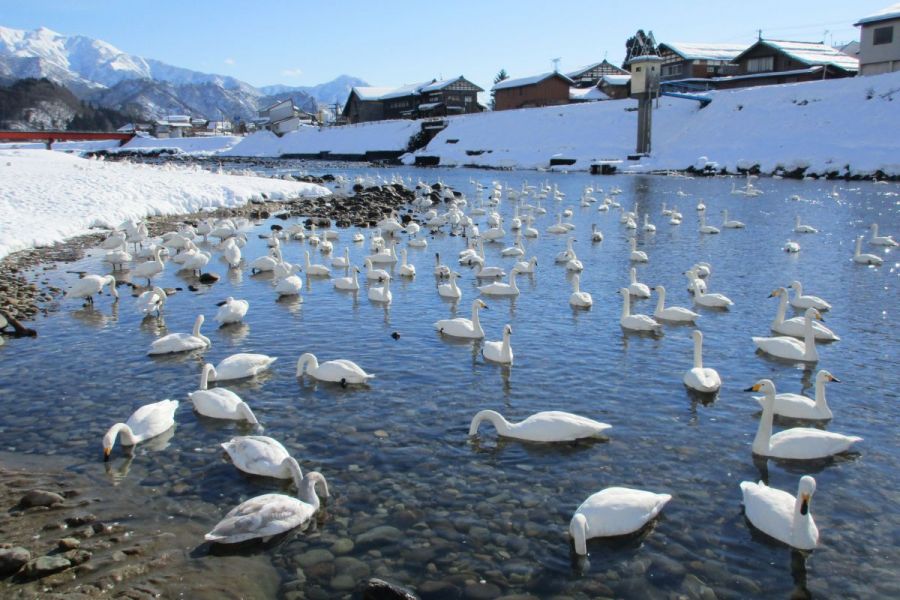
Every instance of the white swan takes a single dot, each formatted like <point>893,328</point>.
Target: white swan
<point>596,234</point>
<point>637,255</point>
<point>675,314</point>
<point>567,254</point>
<point>289,286</point>
<point>637,289</point>
<point>381,294</point>
<point>526,267</point>
<point>440,270</point>
<point>798,443</point>
<point>612,512</point>
<point>240,365</point>
<point>406,269</point>
<point>797,406</point>
<point>342,262</point>
<point>350,283</point>
<point>387,256</point>
<point>316,270</point>
<point>336,371</point>
<point>89,285</point>
<point>231,311</point>
<point>781,516</point>
<point>704,228</point>
<point>150,268</point>
<point>635,322</point>
<point>450,290</point>
<point>118,256</point>
<point>790,348</point>
<point>482,272</point>
<point>517,249</point>
<point>232,253</point>
<point>499,352</point>
<point>648,226</point>
<point>880,240</point>
<point>146,422</point>
<point>151,301</point>
<point>269,515</point>
<point>700,378</point>
<point>558,227</point>
<point>801,301</point>
<point>794,327</point>
<point>546,426</point>
<point>791,246</point>
<point>865,259</point>
<point>729,223</point>
<point>266,263</point>
<point>219,403</point>
<point>578,298</point>
<point>263,456</point>
<point>181,342</point>
<point>461,327</point>
<point>798,228</point>
<point>373,274</point>
<point>196,262</point>
<point>502,289</point>
<point>701,298</point>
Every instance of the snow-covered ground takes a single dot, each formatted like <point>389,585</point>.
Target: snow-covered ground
<point>47,197</point>
<point>350,139</point>
<point>82,146</point>
<point>197,146</point>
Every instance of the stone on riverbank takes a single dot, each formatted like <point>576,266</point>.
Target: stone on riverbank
<point>12,559</point>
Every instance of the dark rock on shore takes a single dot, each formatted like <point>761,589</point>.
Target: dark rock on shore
<point>13,559</point>
<point>40,498</point>
<point>379,589</point>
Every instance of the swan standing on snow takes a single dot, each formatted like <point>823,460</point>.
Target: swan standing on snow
<point>241,365</point>
<point>637,289</point>
<point>547,426</point>
<point>700,379</point>
<point>781,516</point>
<point>461,327</point>
<point>89,285</point>
<point>636,322</point>
<point>231,311</point>
<point>794,327</point>
<point>336,371</point>
<point>801,301</point>
<point>675,314</point>
<point>350,283</point>
<point>578,298</point>
<point>798,443</point>
<point>880,240</point>
<point>146,422</point>
<point>798,228</point>
<point>797,406</point>
<point>151,301</point>
<point>502,289</point>
<point>637,255</point>
<point>381,294</point>
<point>499,352</point>
<point>181,342</point>
<point>263,456</point>
<point>612,512</point>
<point>270,514</point>
<point>790,348</point>
<point>865,259</point>
<point>219,403</point>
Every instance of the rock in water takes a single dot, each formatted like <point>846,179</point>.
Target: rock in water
<point>46,565</point>
<point>208,278</point>
<point>12,559</point>
<point>40,498</point>
<point>379,589</point>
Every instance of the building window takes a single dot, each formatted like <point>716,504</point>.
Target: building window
<point>883,35</point>
<point>761,64</point>
<point>673,69</point>
<point>468,99</point>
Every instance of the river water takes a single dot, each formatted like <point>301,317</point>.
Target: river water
<point>416,501</point>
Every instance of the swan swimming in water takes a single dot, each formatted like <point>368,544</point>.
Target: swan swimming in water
<point>499,352</point>
<point>790,348</point>
<point>219,403</point>
<point>699,378</point>
<point>798,228</point>
<point>461,327</point>
<point>794,327</point>
<point>263,456</point>
<point>350,283</point>
<point>797,406</point>
<point>241,365</point>
<point>881,240</point>
<point>578,298</point>
<point>526,267</point>
<point>636,322</point>
<point>801,301</point>
<point>450,290</point>
<point>865,259</point>
<point>231,311</point>
<point>614,511</point>
<point>637,289</point>
<point>336,371</point>
<point>780,515</point>
<point>381,294</point>
<point>270,514</point>
<point>637,255</point>
<point>181,342</point>
<point>547,426</point>
<point>798,443</point>
<point>675,314</point>
<point>146,422</point>
<point>502,289</point>
<point>701,298</point>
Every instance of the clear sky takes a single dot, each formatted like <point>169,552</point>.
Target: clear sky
<point>391,43</point>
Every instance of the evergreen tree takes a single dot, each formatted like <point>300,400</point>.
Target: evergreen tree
<point>500,77</point>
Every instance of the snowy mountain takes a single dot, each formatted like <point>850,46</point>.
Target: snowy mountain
<point>97,71</point>
<point>328,93</point>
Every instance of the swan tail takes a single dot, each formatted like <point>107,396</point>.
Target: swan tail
<point>248,414</point>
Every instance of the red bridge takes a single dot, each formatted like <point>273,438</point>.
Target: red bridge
<point>49,137</point>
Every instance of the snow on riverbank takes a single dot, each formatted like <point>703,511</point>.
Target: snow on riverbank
<point>47,197</point>
<point>197,146</point>
<point>350,139</point>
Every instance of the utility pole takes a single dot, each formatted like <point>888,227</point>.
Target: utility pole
<point>555,62</point>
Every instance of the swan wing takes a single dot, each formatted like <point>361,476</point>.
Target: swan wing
<point>262,516</point>
<point>786,347</point>
<point>769,510</point>
<point>257,454</point>
<point>619,511</point>
<point>153,419</point>
<point>217,403</point>
<point>176,342</point>
<point>556,426</point>
<point>808,443</point>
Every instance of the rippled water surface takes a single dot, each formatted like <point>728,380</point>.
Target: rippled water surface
<point>416,501</point>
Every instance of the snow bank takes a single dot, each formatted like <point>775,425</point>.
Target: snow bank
<point>198,146</point>
<point>47,197</point>
<point>379,136</point>
<point>839,125</point>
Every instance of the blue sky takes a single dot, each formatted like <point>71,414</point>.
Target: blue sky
<point>395,42</point>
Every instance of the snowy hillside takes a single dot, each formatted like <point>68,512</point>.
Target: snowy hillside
<point>350,139</point>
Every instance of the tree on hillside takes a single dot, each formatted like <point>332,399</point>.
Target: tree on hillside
<point>640,44</point>
<point>500,77</point>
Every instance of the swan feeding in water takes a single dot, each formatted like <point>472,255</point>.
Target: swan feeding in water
<point>219,403</point>
<point>614,511</point>
<point>151,301</point>
<point>336,371</point>
<point>89,285</point>
<point>547,426</point>
<point>146,422</point>
<point>263,456</point>
<point>241,365</point>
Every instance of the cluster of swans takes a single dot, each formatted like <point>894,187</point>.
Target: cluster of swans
<point>612,511</point>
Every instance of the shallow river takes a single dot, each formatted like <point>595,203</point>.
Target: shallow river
<point>416,501</point>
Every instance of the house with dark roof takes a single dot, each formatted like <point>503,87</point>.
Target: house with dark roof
<point>546,89</point>
<point>432,98</point>
<point>589,75</point>
<point>879,41</point>
<point>683,60</point>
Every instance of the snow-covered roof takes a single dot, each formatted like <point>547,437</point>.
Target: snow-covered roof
<point>579,72</point>
<point>429,105</point>
<point>523,81</point>
<point>370,92</point>
<point>726,78</point>
<point>810,53</point>
<point>439,85</point>
<point>616,79</point>
<point>698,51</point>
<point>586,94</point>
<point>885,14</point>
<point>406,90</point>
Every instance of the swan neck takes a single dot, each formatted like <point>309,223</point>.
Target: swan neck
<point>858,245</point>
<point>494,418</point>
<point>578,530</point>
<point>764,432</point>
<point>307,362</point>
<point>782,309</point>
<point>197,323</point>
<point>661,300</point>
<point>576,284</point>
<point>809,340</point>
<point>296,472</point>
<point>820,393</point>
<point>626,306</point>
<point>245,411</point>
<point>698,353</point>
<point>204,376</point>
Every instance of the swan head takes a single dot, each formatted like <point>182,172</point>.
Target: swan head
<point>805,490</point>
<point>624,291</point>
<point>659,289</point>
<point>796,285</point>
<point>578,531</point>
<point>507,329</point>
<point>763,385</point>
<point>109,438</point>
<point>824,375</point>
<point>812,313</point>
<point>778,292</point>
<point>314,477</point>
<point>111,281</point>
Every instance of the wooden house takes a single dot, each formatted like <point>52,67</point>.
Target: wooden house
<point>615,86</point>
<point>879,43</point>
<point>432,98</point>
<point>546,89</point>
<point>785,62</point>
<point>590,75</point>
<point>693,60</point>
